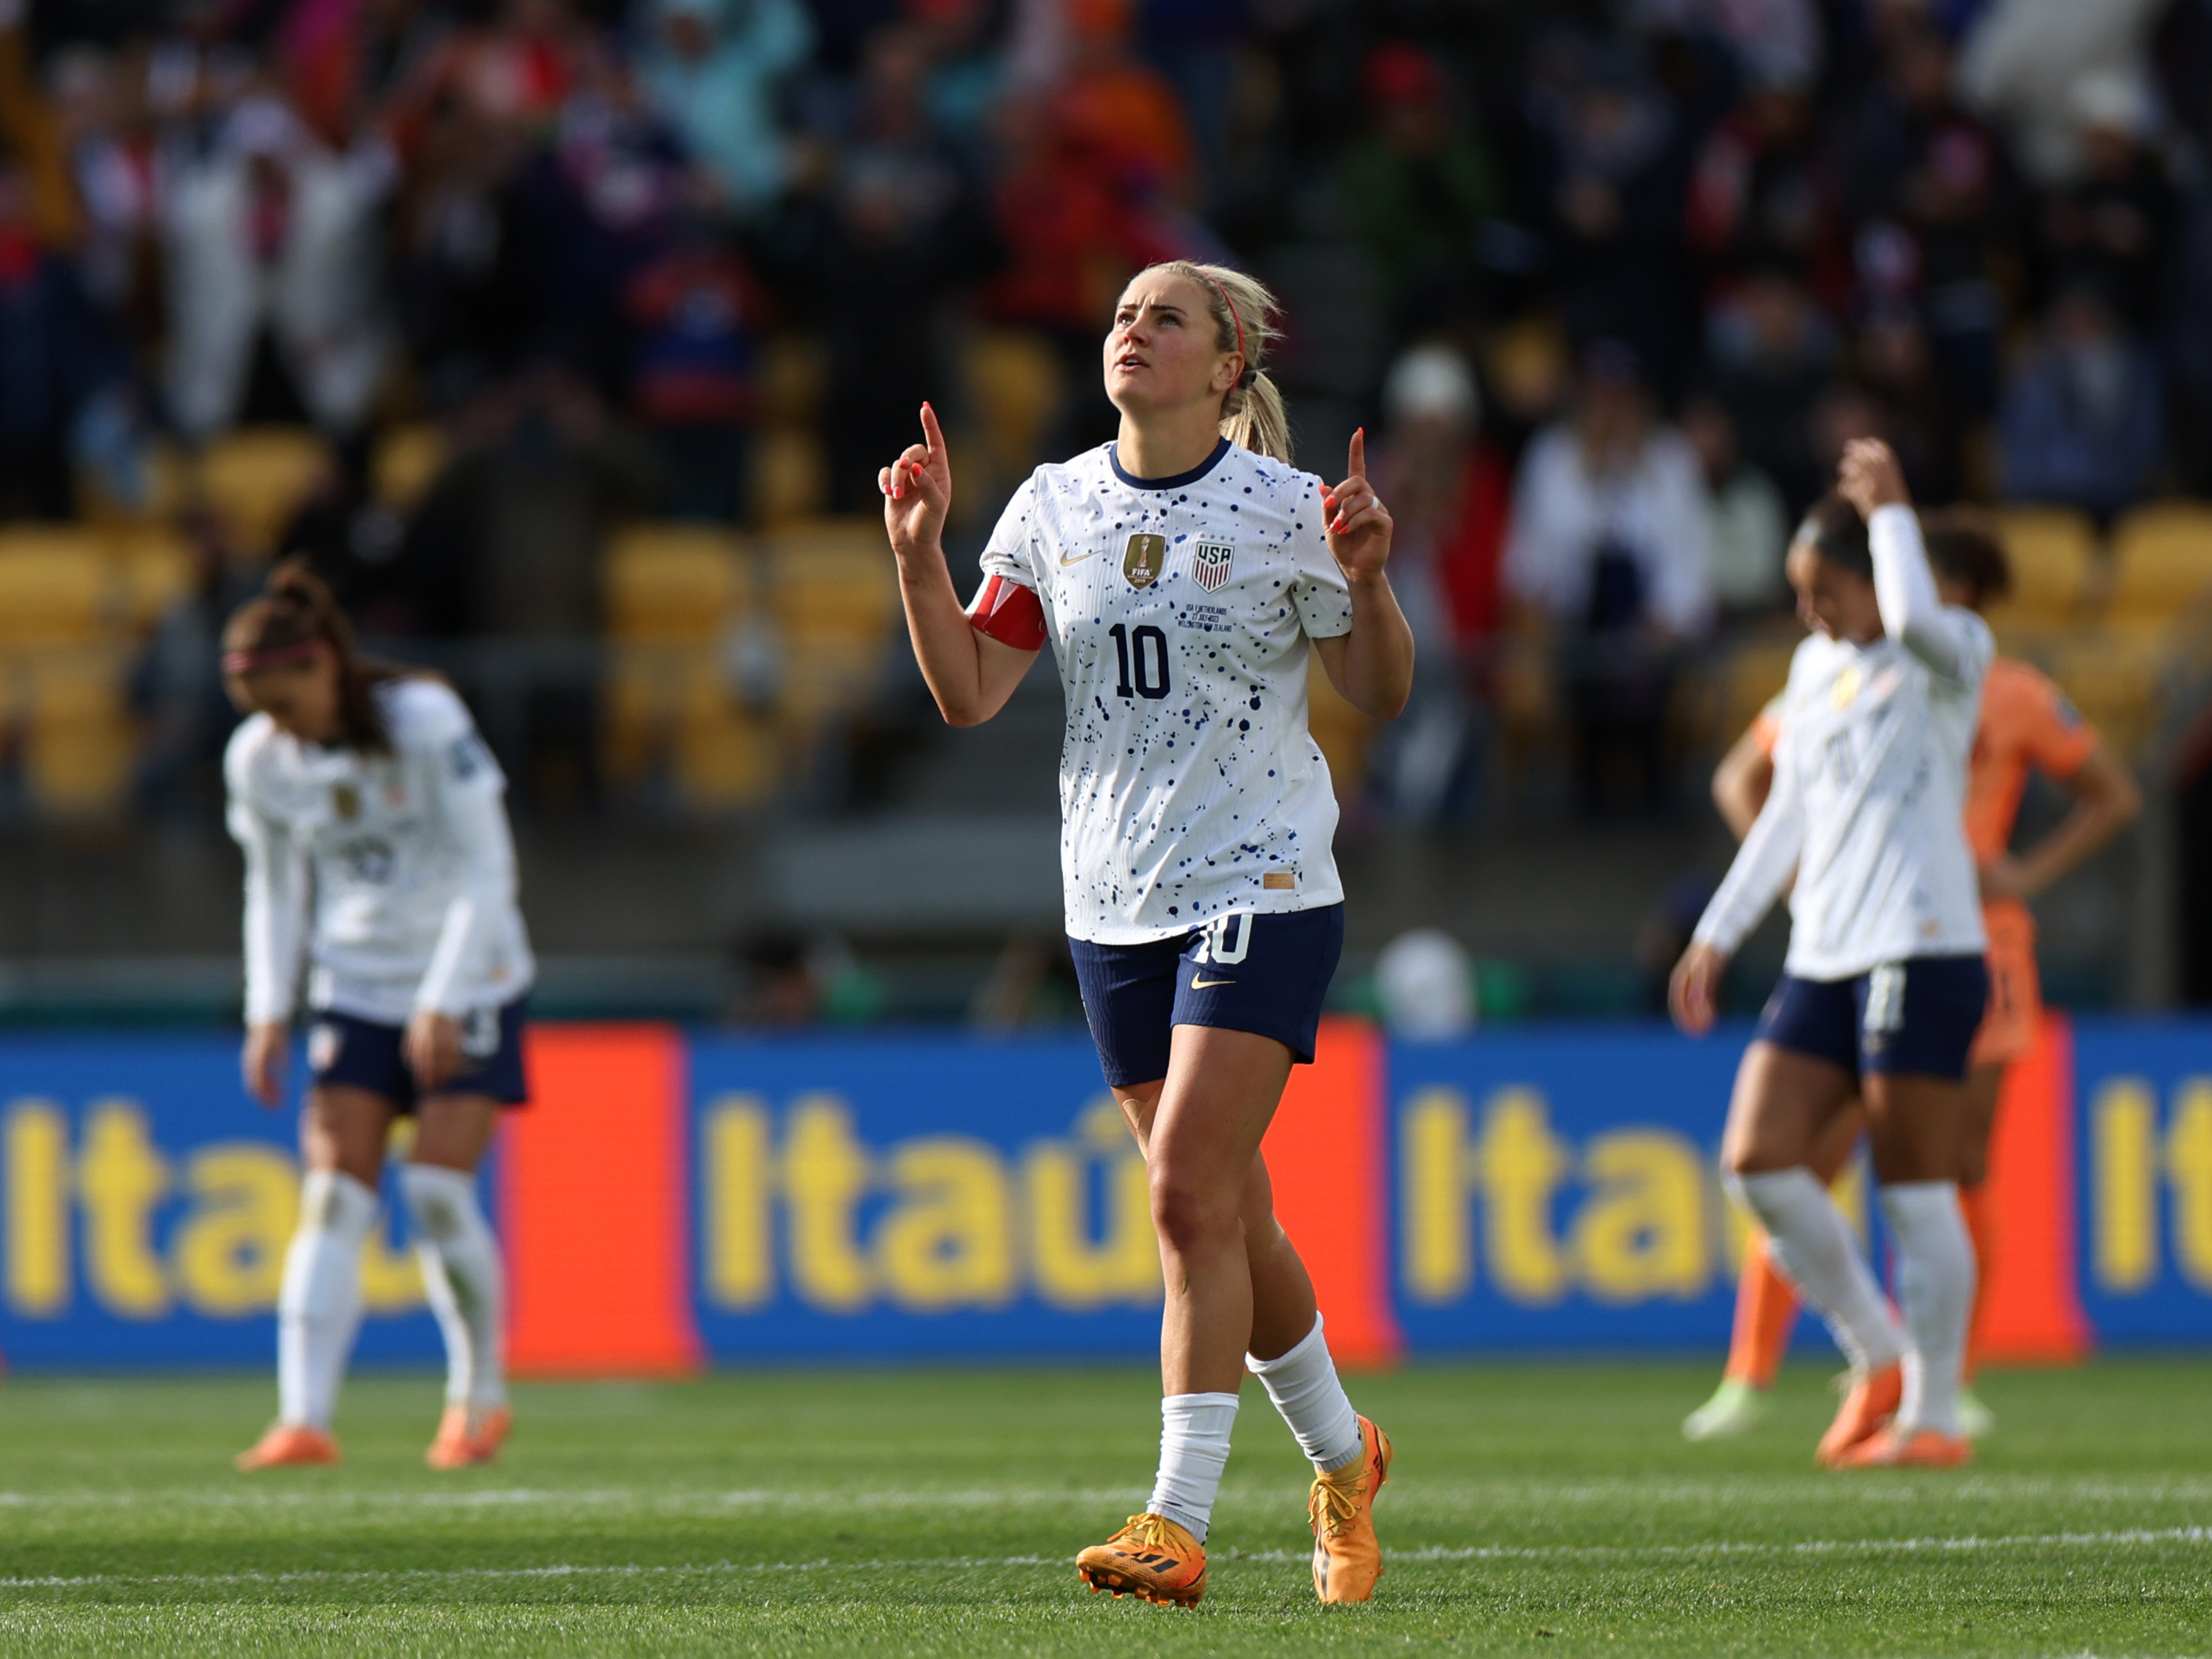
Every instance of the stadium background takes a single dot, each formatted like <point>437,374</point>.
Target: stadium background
<point>566,337</point>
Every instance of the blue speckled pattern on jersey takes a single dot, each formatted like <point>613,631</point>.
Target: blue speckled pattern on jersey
<point>1187,777</point>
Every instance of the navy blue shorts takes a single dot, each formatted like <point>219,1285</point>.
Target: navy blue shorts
<point>1268,975</point>
<point>1918,1016</point>
<point>363,1054</point>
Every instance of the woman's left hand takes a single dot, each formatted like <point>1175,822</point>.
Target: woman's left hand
<point>433,1048</point>
<point>1358,524</point>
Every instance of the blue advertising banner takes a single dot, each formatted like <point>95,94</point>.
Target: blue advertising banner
<point>1560,1191</point>
<point>145,1202</point>
<point>899,1196</point>
<point>2145,1169</point>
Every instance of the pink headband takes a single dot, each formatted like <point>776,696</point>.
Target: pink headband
<point>245,662</point>
<point>1233,317</point>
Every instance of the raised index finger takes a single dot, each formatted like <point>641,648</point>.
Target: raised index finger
<point>932,433</point>
<point>1359,453</point>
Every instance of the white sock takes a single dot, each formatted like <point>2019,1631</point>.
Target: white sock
<point>1193,1450</point>
<point>1813,1246</point>
<point>1303,1385</point>
<point>463,1278</point>
<point>319,1305</point>
<point>1935,1283</point>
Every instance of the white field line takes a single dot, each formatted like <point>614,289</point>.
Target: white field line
<point>1501,1494</point>
<point>1814,1546</point>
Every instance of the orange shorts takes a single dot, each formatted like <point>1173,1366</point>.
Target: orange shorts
<point>2008,1025</point>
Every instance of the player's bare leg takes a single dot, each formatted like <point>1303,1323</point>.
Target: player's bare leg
<point>342,1136</point>
<point>1783,1103</point>
<point>462,1275</point>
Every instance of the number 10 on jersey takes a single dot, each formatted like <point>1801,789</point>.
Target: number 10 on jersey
<point>1145,650</point>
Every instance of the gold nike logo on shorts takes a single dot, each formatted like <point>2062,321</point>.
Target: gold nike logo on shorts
<point>1198,984</point>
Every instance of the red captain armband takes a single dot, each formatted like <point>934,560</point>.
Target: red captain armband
<point>1009,613</point>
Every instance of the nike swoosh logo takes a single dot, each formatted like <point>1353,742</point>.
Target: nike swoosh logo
<point>1064,561</point>
<point>1198,984</point>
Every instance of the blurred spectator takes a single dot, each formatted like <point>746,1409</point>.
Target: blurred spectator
<point>2021,59</point>
<point>1448,490</point>
<point>1611,548</point>
<point>712,67</point>
<point>1750,525</point>
<point>1613,190</point>
<point>1772,350</point>
<point>1120,109</point>
<point>273,247</point>
<point>176,684</point>
<point>696,312</point>
<point>1919,413</point>
<point>354,542</point>
<point>1773,42</point>
<point>1419,185</point>
<point>55,358</point>
<point>1760,193</point>
<point>2084,415</point>
<point>2108,229</point>
<point>1933,194</point>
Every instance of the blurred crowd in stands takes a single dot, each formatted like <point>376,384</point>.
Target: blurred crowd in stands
<point>1613,282</point>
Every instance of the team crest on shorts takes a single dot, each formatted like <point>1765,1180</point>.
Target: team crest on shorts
<point>1209,564</point>
<point>323,1042</point>
<point>1146,557</point>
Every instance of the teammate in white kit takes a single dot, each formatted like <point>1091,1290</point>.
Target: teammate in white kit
<point>1885,983</point>
<point>1182,574</point>
<point>377,848</point>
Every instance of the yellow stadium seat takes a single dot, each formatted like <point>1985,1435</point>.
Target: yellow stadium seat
<point>1340,731</point>
<point>834,576</point>
<point>155,567</point>
<point>163,490</point>
<point>1015,382</point>
<point>2115,677</point>
<point>727,758</point>
<point>55,585</point>
<point>790,475</point>
<point>407,461</point>
<point>2161,562</point>
<point>1754,675</point>
<point>80,744</point>
<point>675,581</point>
<point>255,480</point>
<point>2051,550</point>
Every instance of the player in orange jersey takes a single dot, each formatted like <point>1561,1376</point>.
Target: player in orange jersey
<point>2026,725</point>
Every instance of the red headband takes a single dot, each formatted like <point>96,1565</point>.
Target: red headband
<point>245,662</point>
<point>1233,318</point>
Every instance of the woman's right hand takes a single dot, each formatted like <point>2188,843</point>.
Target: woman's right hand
<point>262,1062</point>
<point>1693,992</point>
<point>917,494</point>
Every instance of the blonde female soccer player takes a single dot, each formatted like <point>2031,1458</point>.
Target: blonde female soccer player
<point>2026,725</point>
<point>1885,983</point>
<point>1182,575</point>
<point>376,844</point>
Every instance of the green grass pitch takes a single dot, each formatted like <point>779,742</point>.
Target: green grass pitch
<point>1536,1508</point>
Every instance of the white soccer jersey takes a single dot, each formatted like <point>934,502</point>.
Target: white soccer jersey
<point>395,872</point>
<point>1180,611</point>
<point>1869,795</point>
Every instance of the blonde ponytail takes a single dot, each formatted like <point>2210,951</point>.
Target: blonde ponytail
<point>1246,318</point>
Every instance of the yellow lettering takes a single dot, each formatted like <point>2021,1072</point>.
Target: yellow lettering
<point>1123,1265</point>
<point>1438,1171</point>
<point>825,1175</point>
<point>229,1250</point>
<point>2124,1127</point>
<point>740,1265</point>
<point>37,1221</point>
<point>121,1177</point>
<point>2189,1169</point>
<point>1641,1233</point>
<point>1522,1164</point>
<point>949,1242</point>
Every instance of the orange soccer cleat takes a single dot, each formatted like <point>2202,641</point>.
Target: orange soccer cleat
<point>468,1437</point>
<point>1873,1401</point>
<point>289,1445</point>
<point>1152,1558</point>
<point>1347,1560</point>
<point>1914,1449</point>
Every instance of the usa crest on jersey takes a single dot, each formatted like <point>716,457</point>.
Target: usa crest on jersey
<point>1209,564</point>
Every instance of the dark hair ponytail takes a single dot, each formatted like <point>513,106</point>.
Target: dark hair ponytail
<point>296,609</point>
<point>1838,535</point>
<point>1965,546</point>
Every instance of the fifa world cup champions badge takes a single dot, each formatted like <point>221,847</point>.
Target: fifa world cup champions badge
<point>1146,557</point>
